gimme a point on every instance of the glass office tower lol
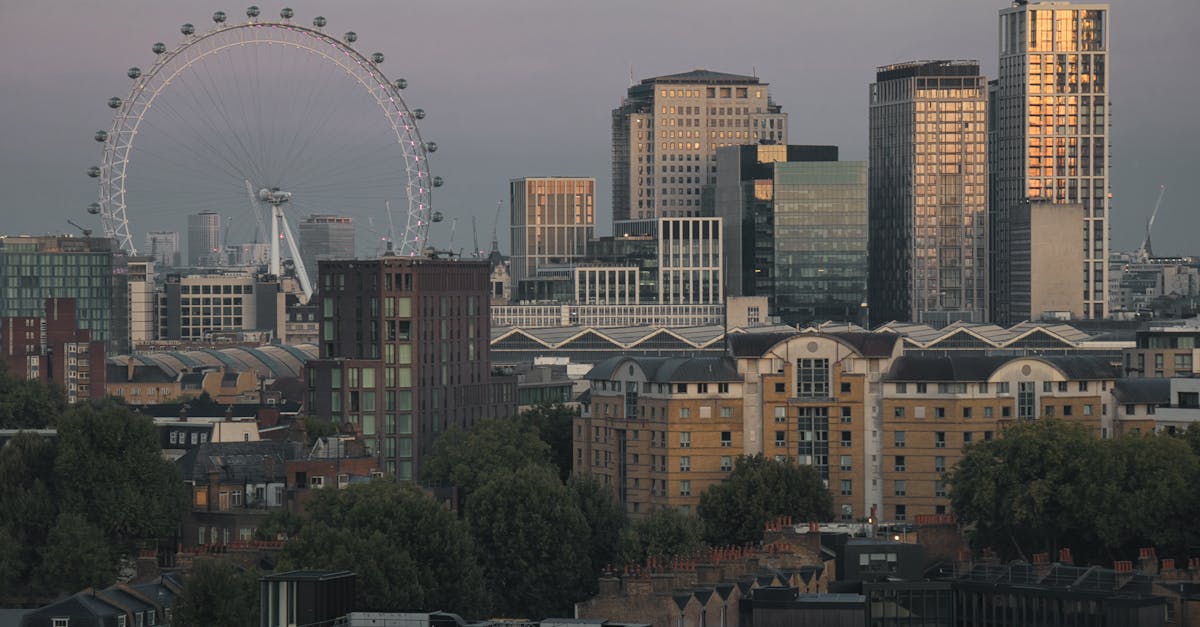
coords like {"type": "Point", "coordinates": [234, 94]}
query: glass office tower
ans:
{"type": "Point", "coordinates": [1052, 142]}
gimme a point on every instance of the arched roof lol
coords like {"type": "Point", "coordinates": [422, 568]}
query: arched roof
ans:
{"type": "Point", "coordinates": [272, 361]}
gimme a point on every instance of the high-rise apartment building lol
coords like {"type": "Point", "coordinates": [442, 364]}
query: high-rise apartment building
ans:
{"type": "Point", "coordinates": [204, 239]}
{"type": "Point", "coordinates": [666, 133]}
{"type": "Point", "coordinates": [90, 270]}
{"type": "Point", "coordinates": [1051, 143]}
{"type": "Point", "coordinates": [325, 236]}
{"type": "Point", "coordinates": [796, 229]}
{"type": "Point", "coordinates": [404, 354]}
{"type": "Point", "coordinates": [51, 346]}
{"type": "Point", "coordinates": [143, 300]}
{"type": "Point", "coordinates": [164, 247]}
{"type": "Point", "coordinates": [552, 220]}
{"type": "Point", "coordinates": [928, 193]}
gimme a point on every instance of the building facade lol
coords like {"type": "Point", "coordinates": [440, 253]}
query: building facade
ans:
{"type": "Point", "coordinates": [164, 247]}
{"type": "Point", "coordinates": [325, 236]}
{"type": "Point", "coordinates": [1051, 141]}
{"type": "Point", "coordinates": [194, 308]}
{"type": "Point", "coordinates": [89, 270]}
{"type": "Point", "coordinates": [143, 300]}
{"type": "Point", "coordinates": [666, 133]}
{"type": "Point", "coordinates": [54, 348]}
{"type": "Point", "coordinates": [552, 219]}
{"type": "Point", "coordinates": [928, 193]}
{"type": "Point", "coordinates": [796, 230]}
{"type": "Point", "coordinates": [204, 239]}
{"type": "Point", "coordinates": [404, 354]}
{"type": "Point", "coordinates": [1165, 349]}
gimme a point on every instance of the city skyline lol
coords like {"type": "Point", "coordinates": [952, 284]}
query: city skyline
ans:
{"type": "Point", "coordinates": [480, 82]}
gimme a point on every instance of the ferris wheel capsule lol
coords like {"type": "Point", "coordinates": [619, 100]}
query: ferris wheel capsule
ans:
{"type": "Point", "coordinates": [114, 103]}
{"type": "Point", "coordinates": [252, 11]}
{"type": "Point", "coordinates": [101, 136]}
{"type": "Point", "coordinates": [377, 57]}
{"type": "Point", "coordinates": [134, 72]}
{"type": "Point", "coordinates": [350, 36]}
{"type": "Point", "coordinates": [437, 217]}
{"type": "Point", "coordinates": [187, 29]}
{"type": "Point", "coordinates": [319, 21]}
{"type": "Point", "coordinates": [159, 48]}
{"type": "Point", "coordinates": [219, 17]}
{"type": "Point", "coordinates": [400, 83]}
{"type": "Point", "coordinates": [419, 114]}
{"type": "Point", "coordinates": [93, 208]}
{"type": "Point", "coordinates": [430, 147]}
{"type": "Point", "coordinates": [438, 182]}
{"type": "Point", "coordinates": [94, 171]}
{"type": "Point", "coordinates": [286, 13]}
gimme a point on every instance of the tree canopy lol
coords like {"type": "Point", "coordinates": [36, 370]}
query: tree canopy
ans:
{"type": "Point", "coordinates": [468, 458]}
{"type": "Point", "coordinates": [26, 404]}
{"type": "Point", "coordinates": [664, 532]}
{"type": "Point", "coordinates": [1047, 485]}
{"type": "Point", "coordinates": [535, 542]}
{"type": "Point", "coordinates": [553, 424]}
{"type": "Point", "coordinates": [217, 593]}
{"type": "Point", "coordinates": [759, 489]}
{"type": "Point", "coordinates": [406, 549]}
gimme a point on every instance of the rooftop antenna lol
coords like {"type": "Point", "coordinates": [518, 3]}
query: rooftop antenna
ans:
{"type": "Point", "coordinates": [754, 71]}
{"type": "Point", "coordinates": [631, 79]}
{"type": "Point", "coordinates": [453, 227]}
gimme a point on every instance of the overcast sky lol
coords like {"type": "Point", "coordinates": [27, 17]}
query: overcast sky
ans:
{"type": "Point", "coordinates": [525, 87]}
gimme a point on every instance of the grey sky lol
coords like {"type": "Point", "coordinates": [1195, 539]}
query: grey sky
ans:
{"type": "Point", "coordinates": [525, 87]}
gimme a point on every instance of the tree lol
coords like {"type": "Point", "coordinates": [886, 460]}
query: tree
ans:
{"type": "Point", "coordinates": [553, 423]}
{"type": "Point", "coordinates": [76, 556]}
{"type": "Point", "coordinates": [109, 468]}
{"type": "Point", "coordinates": [407, 551]}
{"type": "Point", "coordinates": [467, 459]}
{"type": "Point", "coordinates": [316, 428]}
{"type": "Point", "coordinates": [606, 521]}
{"type": "Point", "coordinates": [759, 489]}
{"type": "Point", "coordinates": [534, 541]}
{"type": "Point", "coordinates": [1038, 488]}
{"type": "Point", "coordinates": [665, 532]}
{"type": "Point", "coordinates": [1157, 490]}
{"type": "Point", "coordinates": [28, 508]}
{"type": "Point", "coordinates": [217, 593]}
{"type": "Point", "coordinates": [26, 404]}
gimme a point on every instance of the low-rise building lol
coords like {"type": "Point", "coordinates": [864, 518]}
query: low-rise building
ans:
{"type": "Point", "coordinates": [1165, 349]}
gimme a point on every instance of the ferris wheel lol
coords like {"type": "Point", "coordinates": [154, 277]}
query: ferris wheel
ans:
{"type": "Point", "coordinates": [257, 120]}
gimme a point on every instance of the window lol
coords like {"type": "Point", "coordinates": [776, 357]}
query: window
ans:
{"type": "Point", "coordinates": [845, 388]}
{"type": "Point", "coordinates": [939, 464]}
{"type": "Point", "coordinates": [726, 412]}
{"type": "Point", "coordinates": [922, 388]}
{"type": "Point", "coordinates": [685, 463]}
{"type": "Point", "coordinates": [685, 412]}
{"type": "Point", "coordinates": [898, 412]}
{"type": "Point", "coordinates": [1068, 410]}
{"type": "Point", "coordinates": [847, 439]}
{"type": "Point", "coordinates": [939, 488]}
{"type": "Point", "coordinates": [63, 622]}
{"type": "Point", "coordinates": [685, 488]}
{"type": "Point", "coordinates": [901, 488]}
{"type": "Point", "coordinates": [726, 463]}
{"type": "Point", "coordinates": [846, 417]}
{"type": "Point", "coordinates": [899, 439]}
{"type": "Point", "coordinates": [1049, 413]}
{"type": "Point", "coordinates": [780, 414]}
{"type": "Point", "coordinates": [902, 388]}
{"type": "Point", "coordinates": [1062, 386]}
{"type": "Point", "coordinates": [899, 466]}
{"type": "Point", "coordinates": [702, 388]}
{"type": "Point", "coordinates": [901, 512]}
{"type": "Point", "coordinates": [846, 463]}
{"type": "Point", "coordinates": [685, 439]}
{"type": "Point", "coordinates": [1047, 386]}
{"type": "Point", "coordinates": [987, 436]}
{"type": "Point", "coordinates": [1006, 412]}
{"type": "Point", "coordinates": [1088, 410]}
{"type": "Point", "coordinates": [722, 388]}
{"type": "Point", "coordinates": [1083, 386]}
{"type": "Point", "coordinates": [780, 438]}
{"type": "Point", "coordinates": [939, 412]}
{"type": "Point", "coordinates": [939, 439]}
{"type": "Point", "coordinates": [987, 412]}
{"type": "Point", "coordinates": [812, 378]}
{"type": "Point", "coordinates": [847, 487]}
{"type": "Point", "coordinates": [966, 412]}
{"type": "Point", "coordinates": [780, 388]}
{"type": "Point", "coordinates": [983, 388]}
{"type": "Point", "coordinates": [681, 388]}
{"type": "Point", "coordinates": [967, 437]}
{"type": "Point", "coordinates": [726, 439]}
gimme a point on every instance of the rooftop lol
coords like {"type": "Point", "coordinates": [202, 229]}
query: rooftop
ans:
{"type": "Point", "coordinates": [701, 75]}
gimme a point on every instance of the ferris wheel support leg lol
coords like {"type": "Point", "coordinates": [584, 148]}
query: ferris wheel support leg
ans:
{"type": "Point", "coordinates": [301, 271]}
{"type": "Point", "coordinates": [276, 216]}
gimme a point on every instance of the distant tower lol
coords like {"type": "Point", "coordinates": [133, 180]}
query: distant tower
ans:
{"type": "Point", "coordinates": [325, 236]}
{"type": "Point", "coordinates": [164, 247]}
{"type": "Point", "coordinates": [1050, 128]}
{"type": "Point", "coordinates": [666, 133]}
{"type": "Point", "coordinates": [552, 220]}
{"type": "Point", "coordinates": [204, 238]}
{"type": "Point", "coordinates": [928, 193]}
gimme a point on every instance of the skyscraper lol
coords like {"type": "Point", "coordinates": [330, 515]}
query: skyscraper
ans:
{"type": "Point", "coordinates": [163, 246]}
{"type": "Point", "coordinates": [666, 133]}
{"type": "Point", "coordinates": [795, 229]}
{"type": "Point", "coordinates": [325, 236]}
{"type": "Point", "coordinates": [204, 238]}
{"type": "Point", "coordinates": [928, 198]}
{"type": "Point", "coordinates": [1051, 143]}
{"type": "Point", "coordinates": [552, 220]}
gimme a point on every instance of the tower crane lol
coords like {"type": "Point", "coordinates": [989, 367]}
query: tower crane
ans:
{"type": "Point", "coordinates": [1146, 251]}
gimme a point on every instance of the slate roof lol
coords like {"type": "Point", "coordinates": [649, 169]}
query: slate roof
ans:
{"type": "Point", "coordinates": [868, 344]}
{"type": "Point", "coordinates": [1155, 390]}
{"type": "Point", "coordinates": [981, 368]}
{"type": "Point", "coordinates": [238, 462]}
{"type": "Point", "coordinates": [756, 344]}
{"type": "Point", "coordinates": [671, 369]}
{"type": "Point", "coordinates": [119, 373]}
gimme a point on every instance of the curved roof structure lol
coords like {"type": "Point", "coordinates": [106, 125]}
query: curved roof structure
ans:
{"type": "Point", "coordinates": [272, 361]}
